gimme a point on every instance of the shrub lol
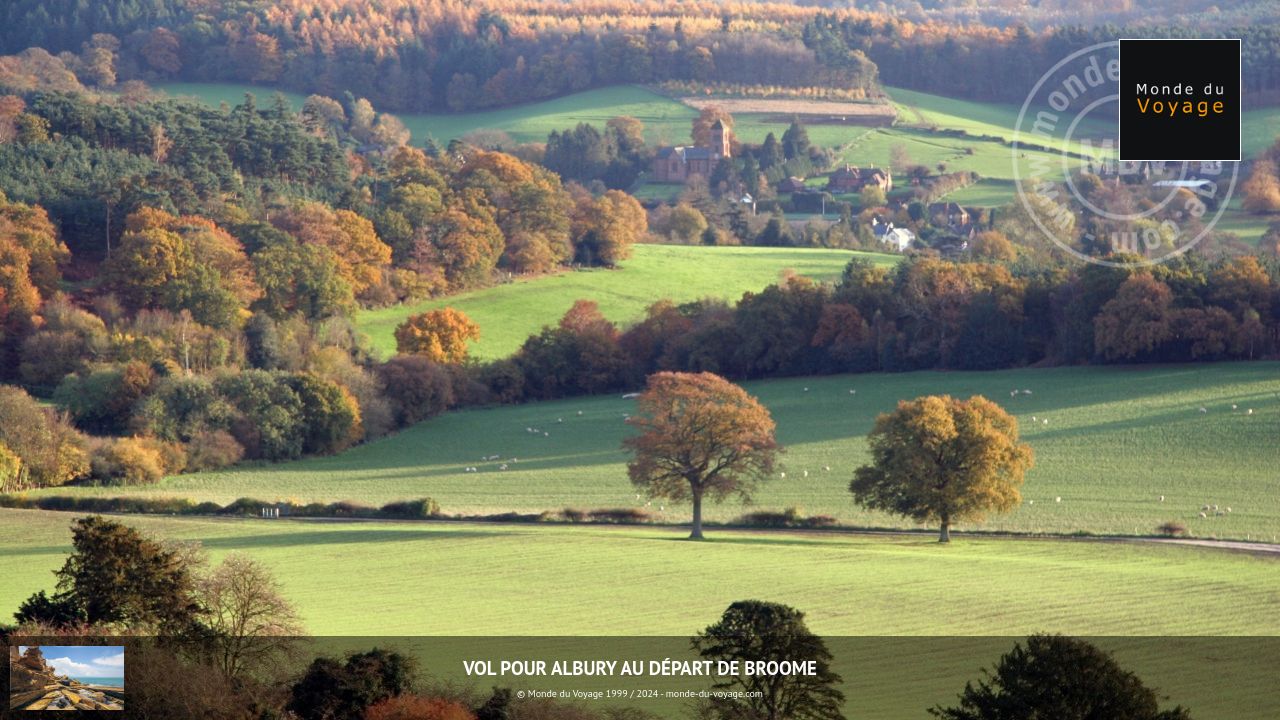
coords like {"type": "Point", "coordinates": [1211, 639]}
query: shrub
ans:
{"type": "Point", "coordinates": [51, 452]}
{"type": "Point", "coordinates": [574, 514]}
{"type": "Point", "coordinates": [416, 707]}
{"type": "Point", "coordinates": [126, 461]}
{"type": "Point", "coordinates": [1172, 528]}
{"type": "Point", "coordinates": [421, 508]}
{"type": "Point", "coordinates": [620, 515]}
{"type": "Point", "coordinates": [789, 518]}
{"type": "Point", "coordinates": [212, 450]}
{"type": "Point", "coordinates": [417, 388]}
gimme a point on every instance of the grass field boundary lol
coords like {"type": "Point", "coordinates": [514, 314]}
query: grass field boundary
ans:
{"type": "Point", "coordinates": [240, 510]}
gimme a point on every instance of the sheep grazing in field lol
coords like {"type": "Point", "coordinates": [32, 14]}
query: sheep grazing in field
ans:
{"type": "Point", "coordinates": [503, 466]}
{"type": "Point", "coordinates": [1228, 509]}
{"type": "Point", "coordinates": [1045, 421]}
{"type": "Point", "coordinates": [1203, 515]}
{"type": "Point", "coordinates": [1013, 393]}
{"type": "Point", "coordinates": [579, 412]}
{"type": "Point", "coordinates": [1204, 507]}
{"type": "Point", "coordinates": [1249, 411]}
{"type": "Point", "coordinates": [559, 419]}
{"type": "Point", "coordinates": [546, 434]}
{"type": "Point", "coordinates": [629, 396]}
{"type": "Point", "coordinates": [782, 475]}
{"type": "Point", "coordinates": [826, 468]}
{"type": "Point", "coordinates": [804, 473]}
{"type": "Point", "coordinates": [1234, 406]}
{"type": "Point", "coordinates": [1161, 498]}
{"type": "Point", "coordinates": [806, 389]}
{"type": "Point", "coordinates": [1219, 513]}
{"type": "Point", "coordinates": [853, 392]}
{"type": "Point", "coordinates": [1204, 410]}
{"type": "Point", "coordinates": [1057, 499]}
{"type": "Point", "coordinates": [1215, 508]}
{"type": "Point", "coordinates": [1026, 392]}
{"type": "Point", "coordinates": [1031, 502]}
{"type": "Point", "coordinates": [1033, 419]}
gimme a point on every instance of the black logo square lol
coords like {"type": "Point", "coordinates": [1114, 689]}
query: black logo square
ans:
{"type": "Point", "coordinates": [1180, 100]}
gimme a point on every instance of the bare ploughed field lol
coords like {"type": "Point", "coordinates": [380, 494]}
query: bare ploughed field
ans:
{"type": "Point", "coordinates": [813, 111]}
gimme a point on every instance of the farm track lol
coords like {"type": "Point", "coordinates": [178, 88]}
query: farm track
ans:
{"type": "Point", "coordinates": [1257, 548]}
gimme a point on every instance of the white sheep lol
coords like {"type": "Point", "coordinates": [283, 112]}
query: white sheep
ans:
{"type": "Point", "coordinates": [579, 412]}
{"type": "Point", "coordinates": [1203, 515]}
{"type": "Point", "coordinates": [1046, 421]}
{"type": "Point", "coordinates": [1228, 508]}
{"type": "Point", "coordinates": [1161, 498]}
{"type": "Point", "coordinates": [806, 389]}
{"type": "Point", "coordinates": [826, 468]}
{"type": "Point", "coordinates": [782, 475]}
{"type": "Point", "coordinates": [1234, 406]}
{"type": "Point", "coordinates": [1031, 502]}
{"type": "Point", "coordinates": [1249, 411]}
{"type": "Point", "coordinates": [546, 434]}
{"type": "Point", "coordinates": [1057, 499]}
{"type": "Point", "coordinates": [853, 392]}
{"type": "Point", "coordinates": [805, 473]}
{"type": "Point", "coordinates": [1204, 410]}
{"type": "Point", "coordinates": [559, 419]}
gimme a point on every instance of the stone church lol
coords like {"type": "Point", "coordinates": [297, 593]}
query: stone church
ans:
{"type": "Point", "coordinates": [678, 164]}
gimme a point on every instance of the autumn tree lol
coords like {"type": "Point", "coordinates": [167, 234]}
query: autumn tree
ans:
{"type": "Point", "coordinates": [1137, 321]}
{"type": "Point", "coordinates": [707, 117]}
{"type": "Point", "coordinates": [1261, 190]}
{"type": "Point", "coordinates": [763, 632]}
{"type": "Point", "coordinates": [362, 258]}
{"type": "Point", "coordinates": [700, 436]}
{"type": "Point", "coordinates": [1051, 676]}
{"type": "Point", "coordinates": [251, 625]}
{"type": "Point", "coordinates": [439, 335]}
{"type": "Point", "coordinates": [992, 245]}
{"type": "Point", "coordinates": [940, 459]}
{"type": "Point", "coordinates": [606, 227]}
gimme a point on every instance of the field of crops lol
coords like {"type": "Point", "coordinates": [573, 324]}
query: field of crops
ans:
{"type": "Point", "coordinates": [509, 313]}
{"type": "Point", "coordinates": [1110, 442]}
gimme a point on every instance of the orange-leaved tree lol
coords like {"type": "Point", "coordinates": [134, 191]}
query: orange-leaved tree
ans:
{"type": "Point", "coordinates": [700, 436]}
{"type": "Point", "coordinates": [941, 459]}
{"type": "Point", "coordinates": [440, 335]}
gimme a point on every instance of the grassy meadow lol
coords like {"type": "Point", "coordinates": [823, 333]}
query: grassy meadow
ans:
{"type": "Point", "coordinates": [510, 313]}
{"type": "Point", "coordinates": [480, 579]}
{"type": "Point", "coordinates": [1109, 443]}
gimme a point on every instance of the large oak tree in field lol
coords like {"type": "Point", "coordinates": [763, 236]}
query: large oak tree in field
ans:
{"type": "Point", "coordinates": [941, 459]}
{"type": "Point", "coordinates": [700, 436]}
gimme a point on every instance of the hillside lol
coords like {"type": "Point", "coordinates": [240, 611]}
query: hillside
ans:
{"type": "Point", "coordinates": [1110, 442]}
{"type": "Point", "coordinates": [510, 313]}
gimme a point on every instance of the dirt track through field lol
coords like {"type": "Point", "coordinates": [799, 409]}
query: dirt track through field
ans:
{"type": "Point", "coordinates": [1266, 549]}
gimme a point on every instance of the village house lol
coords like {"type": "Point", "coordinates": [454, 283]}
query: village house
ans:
{"type": "Point", "coordinates": [898, 238]}
{"type": "Point", "coordinates": [853, 179]}
{"type": "Point", "coordinates": [678, 164]}
{"type": "Point", "coordinates": [792, 185]}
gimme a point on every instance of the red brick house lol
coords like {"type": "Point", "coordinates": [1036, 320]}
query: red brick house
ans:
{"type": "Point", "coordinates": [853, 179]}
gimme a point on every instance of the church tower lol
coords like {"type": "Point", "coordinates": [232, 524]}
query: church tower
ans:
{"type": "Point", "coordinates": [721, 139]}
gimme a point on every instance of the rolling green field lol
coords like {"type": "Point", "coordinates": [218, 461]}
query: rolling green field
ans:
{"type": "Point", "coordinates": [510, 313]}
{"type": "Point", "coordinates": [478, 579]}
{"type": "Point", "coordinates": [1109, 441]}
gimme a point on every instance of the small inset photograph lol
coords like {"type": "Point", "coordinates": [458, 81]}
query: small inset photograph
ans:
{"type": "Point", "coordinates": [66, 677]}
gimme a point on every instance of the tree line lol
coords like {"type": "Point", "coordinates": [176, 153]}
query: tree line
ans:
{"type": "Point", "coordinates": [411, 55]}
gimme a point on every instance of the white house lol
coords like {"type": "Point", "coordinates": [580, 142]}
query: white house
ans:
{"type": "Point", "coordinates": [899, 238]}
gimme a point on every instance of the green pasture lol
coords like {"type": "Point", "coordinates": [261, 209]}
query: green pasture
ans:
{"type": "Point", "coordinates": [1109, 443]}
{"type": "Point", "coordinates": [376, 578]}
{"type": "Point", "coordinates": [511, 312]}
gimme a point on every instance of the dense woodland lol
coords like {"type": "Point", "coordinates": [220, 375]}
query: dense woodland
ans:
{"type": "Point", "coordinates": [416, 55]}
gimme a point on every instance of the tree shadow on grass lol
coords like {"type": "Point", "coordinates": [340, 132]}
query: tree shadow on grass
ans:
{"type": "Point", "coordinates": [341, 537]}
